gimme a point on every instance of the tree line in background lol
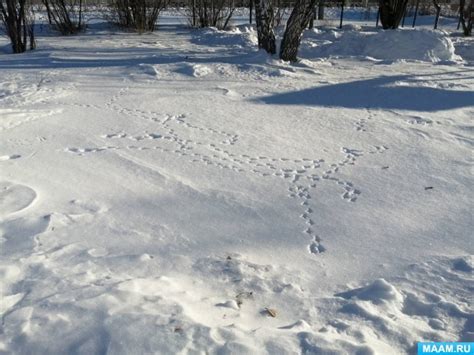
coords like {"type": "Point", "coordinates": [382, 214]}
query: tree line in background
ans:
{"type": "Point", "coordinates": [66, 16]}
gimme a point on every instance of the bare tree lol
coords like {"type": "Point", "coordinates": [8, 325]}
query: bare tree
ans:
{"type": "Point", "coordinates": [17, 17]}
{"type": "Point", "coordinates": [138, 15]}
{"type": "Point", "coordinates": [299, 19]}
{"type": "Point", "coordinates": [66, 15]}
{"type": "Point", "coordinates": [265, 18]}
{"type": "Point", "coordinates": [391, 13]}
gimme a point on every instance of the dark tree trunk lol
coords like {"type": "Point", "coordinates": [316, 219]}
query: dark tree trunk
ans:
{"type": "Point", "coordinates": [18, 21]}
{"type": "Point", "coordinates": [438, 10]}
{"type": "Point", "coordinates": [343, 4]}
{"type": "Point", "coordinates": [80, 14]}
{"type": "Point", "coordinates": [321, 10]}
{"type": "Point", "coordinates": [264, 17]}
{"type": "Point", "coordinates": [48, 12]}
{"type": "Point", "coordinates": [466, 16]}
{"type": "Point", "coordinates": [298, 21]}
{"type": "Point", "coordinates": [391, 13]}
{"type": "Point", "coordinates": [311, 21]}
{"type": "Point", "coordinates": [417, 6]}
{"type": "Point", "coordinates": [250, 11]}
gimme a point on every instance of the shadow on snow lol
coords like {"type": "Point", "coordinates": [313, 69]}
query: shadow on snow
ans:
{"type": "Point", "coordinates": [381, 92]}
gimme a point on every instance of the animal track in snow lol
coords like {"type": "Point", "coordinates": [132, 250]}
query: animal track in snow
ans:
{"type": "Point", "coordinates": [417, 120]}
{"type": "Point", "coordinates": [379, 149]}
{"type": "Point", "coordinates": [299, 174]}
{"type": "Point", "coordinates": [114, 135]}
{"type": "Point", "coordinates": [201, 144]}
{"type": "Point", "coordinates": [83, 151]}
{"type": "Point", "coordinates": [361, 123]}
{"type": "Point", "coordinates": [111, 104]}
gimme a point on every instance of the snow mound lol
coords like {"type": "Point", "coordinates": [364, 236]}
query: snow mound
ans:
{"type": "Point", "coordinates": [404, 310]}
{"type": "Point", "coordinates": [240, 37]}
{"type": "Point", "coordinates": [194, 70]}
{"type": "Point", "coordinates": [377, 292]}
{"type": "Point", "coordinates": [404, 44]}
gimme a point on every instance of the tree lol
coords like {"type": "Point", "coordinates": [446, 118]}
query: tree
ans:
{"type": "Point", "coordinates": [18, 20]}
{"type": "Point", "coordinates": [138, 15]}
{"type": "Point", "coordinates": [265, 18]}
{"type": "Point", "coordinates": [65, 14]}
{"type": "Point", "coordinates": [297, 23]}
{"type": "Point", "coordinates": [391, 13]}
{"type": "Point", "coordinates": [211, 13]}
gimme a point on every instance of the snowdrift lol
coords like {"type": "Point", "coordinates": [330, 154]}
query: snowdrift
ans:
{"type": "Point", "coordinates": [404, 44]}
{"type": "Point", "coordinates": [240, 37]}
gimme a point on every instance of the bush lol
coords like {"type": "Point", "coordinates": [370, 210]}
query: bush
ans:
{"type": "Point", "coordinates": [210, 13]}
{"type": "Point", "coordinates": [65, 15]}
{"type": "Point", "coordinates": [137, 15]}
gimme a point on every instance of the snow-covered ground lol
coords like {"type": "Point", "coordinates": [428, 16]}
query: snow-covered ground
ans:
{"type": "Point", "coordinates": [181, 192]}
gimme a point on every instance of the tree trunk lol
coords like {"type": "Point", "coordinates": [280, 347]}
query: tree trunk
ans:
{"type": "Point", "coordinates": [438, 10]}
{"type": "Point", "coordinates": [80, 14]}
{"type": "Point", "coordinates": [298, 21]}
{"type": "Point", "coordinates": [250, 10]}
{"type": "Point", "coordinates": [391, 13]}
{"type": "Point", "coordinates": [264, 17]}
{"type": "Point", "coordinates": [311, 20]}
{"type": "Point", "coordinates": [18, 22]}
{"type": "Point", "coordinates": [466, 16]}
{"type": "Point", "coordinates": [321, 10]}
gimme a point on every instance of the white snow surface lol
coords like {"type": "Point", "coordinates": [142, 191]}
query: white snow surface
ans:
{"type": "Point", "coordinates": [419, 44]}
{"type": "Point", "coordinates": [181, 192]}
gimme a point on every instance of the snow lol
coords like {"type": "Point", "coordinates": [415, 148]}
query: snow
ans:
{"type": "Point", "coordinates": [161, 193]}
{"type": "Point", "coordinates": [241, 37]}
{"type": "Point", "coordinates": [403, 44]}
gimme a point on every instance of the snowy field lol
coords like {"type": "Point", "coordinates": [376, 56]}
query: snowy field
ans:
{"type": "Point", "coordinates": [181, 192]}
